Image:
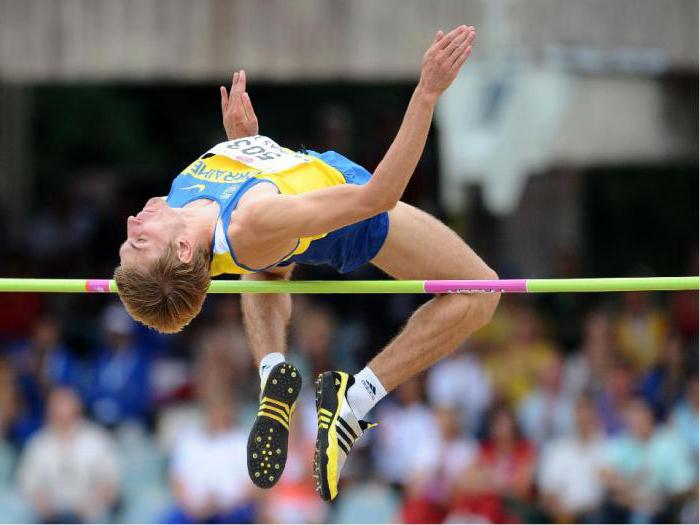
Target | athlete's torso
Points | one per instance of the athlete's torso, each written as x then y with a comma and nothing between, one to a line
230,169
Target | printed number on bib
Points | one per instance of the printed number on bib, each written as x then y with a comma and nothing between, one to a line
261,153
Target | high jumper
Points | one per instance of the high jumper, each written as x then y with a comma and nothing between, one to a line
251,207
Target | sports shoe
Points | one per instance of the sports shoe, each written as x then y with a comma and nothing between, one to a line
267,442
338,430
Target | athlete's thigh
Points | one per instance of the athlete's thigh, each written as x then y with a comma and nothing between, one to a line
418,246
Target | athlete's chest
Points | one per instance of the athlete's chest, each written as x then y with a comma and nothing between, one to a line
231,168
236,161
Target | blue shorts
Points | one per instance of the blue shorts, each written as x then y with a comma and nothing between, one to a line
352,246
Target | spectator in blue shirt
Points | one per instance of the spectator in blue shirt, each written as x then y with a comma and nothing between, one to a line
664,384
119,389
646,469
684,419
41,363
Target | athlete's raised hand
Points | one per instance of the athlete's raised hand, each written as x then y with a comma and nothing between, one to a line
236,109
444,58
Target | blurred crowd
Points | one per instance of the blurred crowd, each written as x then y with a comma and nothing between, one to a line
523,423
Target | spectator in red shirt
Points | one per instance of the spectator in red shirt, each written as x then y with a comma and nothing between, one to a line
498,486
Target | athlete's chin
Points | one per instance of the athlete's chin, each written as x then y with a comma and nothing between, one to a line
153,204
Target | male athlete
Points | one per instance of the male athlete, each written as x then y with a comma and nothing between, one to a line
250,207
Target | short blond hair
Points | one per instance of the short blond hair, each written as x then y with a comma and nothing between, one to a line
165,294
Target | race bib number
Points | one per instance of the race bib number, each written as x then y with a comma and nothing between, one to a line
260,153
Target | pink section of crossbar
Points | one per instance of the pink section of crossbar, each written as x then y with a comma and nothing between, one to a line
97,285
501,285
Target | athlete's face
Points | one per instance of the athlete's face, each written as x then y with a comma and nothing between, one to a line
149,232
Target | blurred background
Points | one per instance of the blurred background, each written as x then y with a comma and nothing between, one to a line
567,147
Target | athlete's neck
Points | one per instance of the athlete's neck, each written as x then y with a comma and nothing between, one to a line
200,220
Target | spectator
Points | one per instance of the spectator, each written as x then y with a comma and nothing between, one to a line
685,417
294,498
646,470
223,366
209,475
585,369
611,401
68,473
314,350
42,363
664,385
498,486
571,498
314,331
640,330
515,366
406,426
461,382
8,398
119,390
548,411
685,425
456,454
429,492
44,359
684,308
366,501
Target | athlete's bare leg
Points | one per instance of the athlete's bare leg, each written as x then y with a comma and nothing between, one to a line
266,316
419,246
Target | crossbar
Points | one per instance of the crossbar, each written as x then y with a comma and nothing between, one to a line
612,284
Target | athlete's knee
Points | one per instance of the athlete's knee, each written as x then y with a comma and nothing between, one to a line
488,304
485,304
475,311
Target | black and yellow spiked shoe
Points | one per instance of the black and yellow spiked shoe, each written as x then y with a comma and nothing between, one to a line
267,442
338,430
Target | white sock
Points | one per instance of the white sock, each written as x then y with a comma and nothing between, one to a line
365,393
267,363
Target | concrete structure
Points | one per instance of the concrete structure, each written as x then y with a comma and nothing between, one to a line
139,40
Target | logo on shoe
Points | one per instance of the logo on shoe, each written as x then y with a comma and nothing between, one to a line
371,389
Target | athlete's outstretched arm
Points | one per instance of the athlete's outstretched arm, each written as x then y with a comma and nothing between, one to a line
266,316
237,110
441,63
274,217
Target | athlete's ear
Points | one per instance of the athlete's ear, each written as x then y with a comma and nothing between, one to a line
184,250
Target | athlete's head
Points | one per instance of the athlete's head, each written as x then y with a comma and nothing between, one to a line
164,273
